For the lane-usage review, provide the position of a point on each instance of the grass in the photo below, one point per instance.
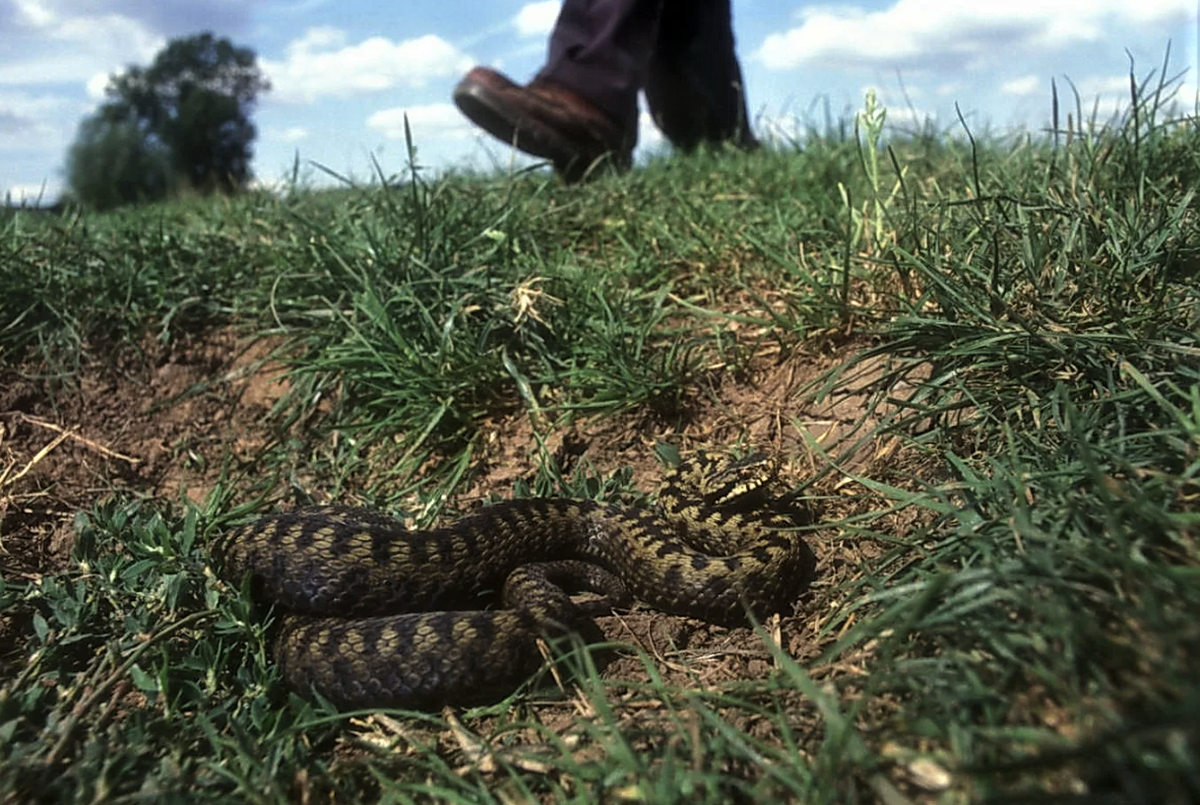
(1031, 311)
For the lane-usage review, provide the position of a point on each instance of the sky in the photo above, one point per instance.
(345, 73)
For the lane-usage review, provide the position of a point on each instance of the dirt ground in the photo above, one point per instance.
(159, 424)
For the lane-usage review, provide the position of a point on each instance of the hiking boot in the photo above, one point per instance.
(544, 119)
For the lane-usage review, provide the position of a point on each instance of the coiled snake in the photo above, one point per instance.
(377, 615)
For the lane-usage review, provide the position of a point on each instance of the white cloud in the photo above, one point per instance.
(1025, 85)
(31, 194)
(321, 64)
(904, 116)
(1104, 85)
(537, 19)
(34, 13)
(141, 43)
(109, 31)
(324, 36)
(36, 122)
(1106, 96)
(96, 86)
(1102, 96)
(34, 106)
(276, 186)
(168, 18)
(292, 134)
(1188, 97)
(56, 47)
(953, 35)
(440, 121)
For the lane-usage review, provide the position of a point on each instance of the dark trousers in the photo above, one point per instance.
(680, 52)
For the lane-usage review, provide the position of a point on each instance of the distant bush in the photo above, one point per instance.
(182, 123)
(112, 163)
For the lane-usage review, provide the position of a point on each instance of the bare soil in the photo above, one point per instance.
(160, 424)
(156, 424)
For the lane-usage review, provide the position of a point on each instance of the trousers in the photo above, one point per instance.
(680, 52)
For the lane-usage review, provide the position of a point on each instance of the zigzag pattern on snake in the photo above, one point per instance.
(377, 615)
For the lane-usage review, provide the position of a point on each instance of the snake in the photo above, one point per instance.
(372, 614)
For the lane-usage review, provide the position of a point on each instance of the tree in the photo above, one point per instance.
(191, 106)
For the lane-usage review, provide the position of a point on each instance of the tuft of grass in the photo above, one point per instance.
(1055, 360)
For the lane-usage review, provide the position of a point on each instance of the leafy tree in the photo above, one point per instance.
(191, 106)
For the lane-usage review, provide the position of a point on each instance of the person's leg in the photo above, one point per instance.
(694, 85)
(583, 103)
(601, 49)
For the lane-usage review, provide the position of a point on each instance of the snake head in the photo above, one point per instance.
(721, 481)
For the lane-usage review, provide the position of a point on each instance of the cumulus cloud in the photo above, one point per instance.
(322, 37)
(1104, 85)
(60, 46)
(96, 86)
(55, 43)
(537, 19)
(91, 27)
(161, 17)
(1102, 96)
(905, 116)
(428, 122)
(321, 64)
(35, 105)
(36, 122)
(1025, 85)
(1188, 95)
(31, 194)
(32, 13)
(291, 134)
(950, 34)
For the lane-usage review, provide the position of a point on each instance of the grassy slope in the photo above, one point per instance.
(1039, 634)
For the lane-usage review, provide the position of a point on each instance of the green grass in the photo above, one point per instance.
(1035, 635)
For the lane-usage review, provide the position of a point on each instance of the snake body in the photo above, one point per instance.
(378, 615)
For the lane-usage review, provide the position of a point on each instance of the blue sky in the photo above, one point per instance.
(346, 71)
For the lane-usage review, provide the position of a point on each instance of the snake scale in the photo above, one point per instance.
(373, 614)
